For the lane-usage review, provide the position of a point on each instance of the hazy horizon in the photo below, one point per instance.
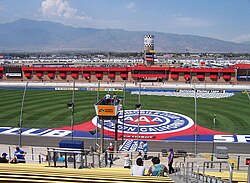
(226, 20)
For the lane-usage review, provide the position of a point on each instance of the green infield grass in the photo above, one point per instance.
(48, 108)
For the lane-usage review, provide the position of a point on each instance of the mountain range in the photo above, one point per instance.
(32, 35)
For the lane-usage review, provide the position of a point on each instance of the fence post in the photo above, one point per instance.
(238, 163)
(74, 156)
(49, 156)
(32, 154)
(99, 158)
(54, 158)
(86, 160)
(66, 160)
(39, 157)
(93, 159)
(131, 157)
(248, 174)
(9, 153)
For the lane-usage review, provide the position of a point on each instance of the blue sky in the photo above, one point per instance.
(222, 19)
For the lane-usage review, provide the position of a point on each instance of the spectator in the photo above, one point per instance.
(138, 169)
(111, 151)
(107, 98)
(157, 169)
(139, 155)
(115, 99)
(70, 158)
(126, 161)
(171, 160)
(19, 156)
(61, 158)
(145, 149)
(3, 159)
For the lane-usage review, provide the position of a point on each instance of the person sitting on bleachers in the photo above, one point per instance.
(138, 169)
(61, 158)
(157, 169)
(4, 159)
(19, 156)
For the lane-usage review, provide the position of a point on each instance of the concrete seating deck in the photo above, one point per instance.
(40, 173)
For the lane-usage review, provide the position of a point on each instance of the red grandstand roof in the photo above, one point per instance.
(28, 74)
(174, 75)
(76, 69)
(51, 74)
(149, 75)
(149, 68)
(203, 70)
(124, 75)
(74, 75)
(63, 75)
(111, 75)
(214, 76)
(86, 74)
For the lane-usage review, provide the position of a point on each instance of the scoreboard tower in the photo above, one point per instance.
(149, 51)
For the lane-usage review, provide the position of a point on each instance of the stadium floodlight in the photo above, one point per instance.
(21, 116)
(138, 107)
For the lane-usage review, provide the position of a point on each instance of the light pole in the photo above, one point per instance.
(98, 91)
(123, 109)
(212, 156)
(195, 121)
(138, 106)
(72, 112)
(96, 129)
(21, 116)
(139, 97)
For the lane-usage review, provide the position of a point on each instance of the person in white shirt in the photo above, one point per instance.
(138, 169)
(107, 98)
(126, 161)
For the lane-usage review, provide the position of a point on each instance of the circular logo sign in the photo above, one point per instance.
(147, 122)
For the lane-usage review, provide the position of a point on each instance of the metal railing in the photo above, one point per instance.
(218, 162)
(190, 170)
(76, 158)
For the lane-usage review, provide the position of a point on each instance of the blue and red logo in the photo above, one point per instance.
(147, 122)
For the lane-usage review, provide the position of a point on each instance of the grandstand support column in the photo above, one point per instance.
(102, 135)
(21, 116)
